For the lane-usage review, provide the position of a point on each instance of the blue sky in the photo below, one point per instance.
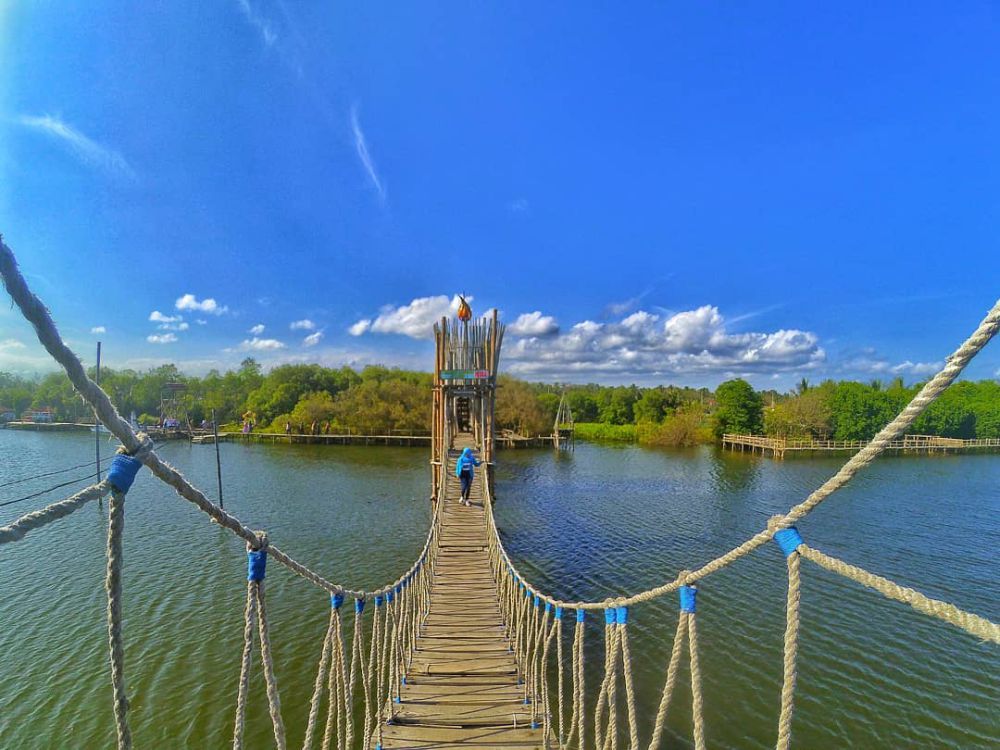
(676, 192)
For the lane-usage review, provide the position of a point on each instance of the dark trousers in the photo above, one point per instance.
(466, 477)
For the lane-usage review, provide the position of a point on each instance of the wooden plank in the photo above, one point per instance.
(404, 737)
(502, 714)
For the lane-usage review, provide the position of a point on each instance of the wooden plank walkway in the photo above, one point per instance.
(462, 688)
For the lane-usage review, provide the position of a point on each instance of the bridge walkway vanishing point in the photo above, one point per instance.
(463, 687)
(462, 649)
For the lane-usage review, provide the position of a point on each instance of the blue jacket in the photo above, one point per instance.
(466, 460)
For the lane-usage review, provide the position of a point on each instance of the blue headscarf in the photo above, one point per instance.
(466, 459)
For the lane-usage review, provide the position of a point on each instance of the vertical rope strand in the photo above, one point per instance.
(696, 701)
(790, 654)
(249, 618)
(270, 681)
(113, 586)
(668, 684)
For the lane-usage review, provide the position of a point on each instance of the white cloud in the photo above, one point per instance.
(360, 327)
(256, 19)
(303, 325)
(173, 326)
(533, 324)
(312, 339)
(157, 317)
(98, 329)
(86, 150)
(257, 330)
(164, 338)
(261, 345)
(207, 305)
(870, 363)
(415, 320)
(361, 144)
(8, 344)
(201, 322)
(641, 345)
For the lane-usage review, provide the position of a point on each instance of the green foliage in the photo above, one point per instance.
(599, 432)
(739, 408)
(518, 408)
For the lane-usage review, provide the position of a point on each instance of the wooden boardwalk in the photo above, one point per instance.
(462, 687)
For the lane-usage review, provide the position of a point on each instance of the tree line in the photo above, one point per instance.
(377, 399)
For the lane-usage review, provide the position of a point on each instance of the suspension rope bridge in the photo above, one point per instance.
(462, 650)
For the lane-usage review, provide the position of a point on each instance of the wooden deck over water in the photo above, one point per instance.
(906, 444)
(462, 688)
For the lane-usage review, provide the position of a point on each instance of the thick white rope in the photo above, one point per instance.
(16, 530)
(116, 647)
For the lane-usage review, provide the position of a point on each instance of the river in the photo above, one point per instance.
(599, 522)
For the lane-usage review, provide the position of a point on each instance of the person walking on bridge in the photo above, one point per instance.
(465, 471)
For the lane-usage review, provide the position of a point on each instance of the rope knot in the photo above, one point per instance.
(775, 524)
(145, 446)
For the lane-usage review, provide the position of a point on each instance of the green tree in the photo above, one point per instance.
(738, 408)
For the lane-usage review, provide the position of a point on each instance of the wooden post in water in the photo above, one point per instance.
(218, 459)
(97, 427)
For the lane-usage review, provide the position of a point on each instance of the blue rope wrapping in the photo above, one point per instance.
(388, 597)
(689, 595)
(256, 564)
(378, 600)
(336, 600)
(122, 472)
(538, 600)
(559, 611)
(359, 606)
(609, 616)
(788, 539)
(621, 615)
(548, 607)
(580, 615)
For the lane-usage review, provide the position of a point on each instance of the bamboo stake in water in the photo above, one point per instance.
(97, 427)
(218, 460)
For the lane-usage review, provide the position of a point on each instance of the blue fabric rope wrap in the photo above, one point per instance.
(559, 613)
(538, 600)
(580, 615)
(256, 564)
(122, 472)
(609, 616)
(336, 600)
(359, 606)
(689, 596)
(621, 615)
(378, 600)
(788, 539)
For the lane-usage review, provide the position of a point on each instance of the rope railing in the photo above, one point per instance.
(348, 684)
(521, 603)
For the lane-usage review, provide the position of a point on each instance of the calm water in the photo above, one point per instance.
(600, 522)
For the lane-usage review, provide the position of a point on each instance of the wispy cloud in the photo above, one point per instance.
(361, 144)
(257, 330)
(98, 329)
(302, 325)
(157, 317)
(88, 151)
(312, 339)
(165, 338)
(261, 345)
(207, 305)
(257, 19)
